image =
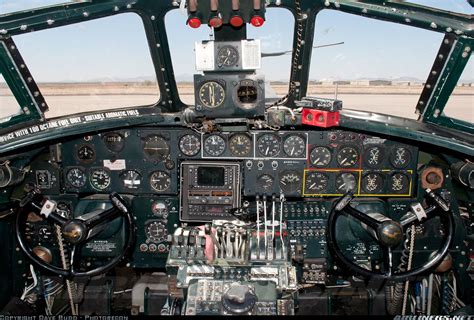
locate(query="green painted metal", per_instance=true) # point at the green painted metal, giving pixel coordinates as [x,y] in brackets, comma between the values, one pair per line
[29,110]
[449,76]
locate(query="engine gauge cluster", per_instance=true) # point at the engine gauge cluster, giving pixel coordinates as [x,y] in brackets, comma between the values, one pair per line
[357,182]
[255,145]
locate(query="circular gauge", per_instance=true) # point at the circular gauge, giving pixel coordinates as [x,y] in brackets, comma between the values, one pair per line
[155,231]
[316,182]
[100,179]
[400,157]
[265,182]
[247,94]
[373,156]
[347,157]
[212,94]
[227,56]
[159,209]
[320,157]
[346,182]
[214,145]
[399,183]
[290,182]
[85,153]
[76,177]
[160,181]
[268,145]
[115,142]
[240,145]
[372,183]
[190,145]
[156,147]
[294,146]
[131,179]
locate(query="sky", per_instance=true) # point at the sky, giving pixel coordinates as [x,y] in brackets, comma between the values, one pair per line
[115,48]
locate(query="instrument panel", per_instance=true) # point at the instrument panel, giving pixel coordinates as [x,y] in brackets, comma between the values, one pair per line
[296,163]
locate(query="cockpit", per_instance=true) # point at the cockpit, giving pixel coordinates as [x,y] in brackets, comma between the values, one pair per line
[243,186]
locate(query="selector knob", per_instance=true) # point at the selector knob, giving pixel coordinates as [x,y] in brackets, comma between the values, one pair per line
[239,298]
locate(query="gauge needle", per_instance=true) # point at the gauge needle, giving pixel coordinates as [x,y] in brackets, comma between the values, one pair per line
[317,160]
[312,186]
[344,161]
[292,151]
[268,150]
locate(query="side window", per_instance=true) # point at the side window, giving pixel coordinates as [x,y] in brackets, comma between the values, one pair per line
[9,106]
[95,65]
[380,67]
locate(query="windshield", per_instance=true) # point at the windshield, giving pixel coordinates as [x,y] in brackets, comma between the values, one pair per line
[119,61]
[356,63]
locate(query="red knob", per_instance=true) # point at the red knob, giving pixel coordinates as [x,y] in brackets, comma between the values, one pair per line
[257,21]
[215,22]
[236,21]
[194,22]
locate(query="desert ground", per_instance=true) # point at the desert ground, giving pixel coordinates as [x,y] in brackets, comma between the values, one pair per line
[399,100]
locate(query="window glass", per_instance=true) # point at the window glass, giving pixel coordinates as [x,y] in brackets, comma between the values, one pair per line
[95,65]
[8,105]
[9,6]
[461,102]
[276,35]
[380,66]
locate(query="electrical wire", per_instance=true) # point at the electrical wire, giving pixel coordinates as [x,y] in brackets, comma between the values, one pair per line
[30,288]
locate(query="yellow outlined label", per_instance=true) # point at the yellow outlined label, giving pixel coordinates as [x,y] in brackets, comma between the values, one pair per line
[359,192]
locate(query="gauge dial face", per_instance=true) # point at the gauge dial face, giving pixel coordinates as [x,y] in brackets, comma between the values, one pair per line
[214,145]
[290,182]
[212,94]
[190,145]
[316,182]
[227,56]
[346,182]
[400,157]
[131,179]
[156,147]
[265,182]
[268,145]
[76,177]
[373,156]
[399,183]
[294,146]
[160,181]
[100,179]
[85,153]
[159,209]
[240,145]
[372,183]
[247,94]
[115,142]
[155,232]
[320,157]
[347,157]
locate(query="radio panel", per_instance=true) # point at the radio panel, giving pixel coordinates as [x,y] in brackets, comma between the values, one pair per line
[209,190]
